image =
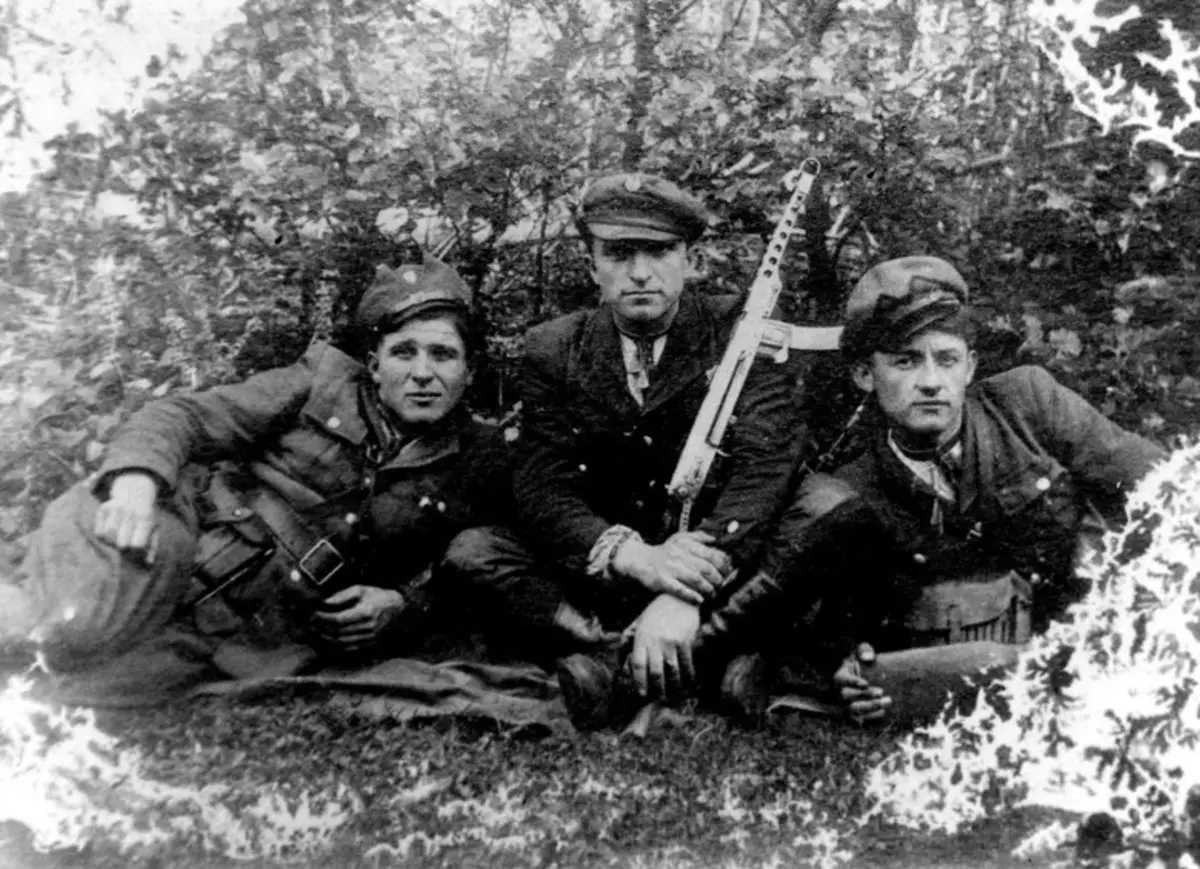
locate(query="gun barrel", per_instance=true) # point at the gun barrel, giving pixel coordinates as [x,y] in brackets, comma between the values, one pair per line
[707,431]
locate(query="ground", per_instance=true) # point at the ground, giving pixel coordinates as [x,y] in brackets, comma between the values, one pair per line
[695,792]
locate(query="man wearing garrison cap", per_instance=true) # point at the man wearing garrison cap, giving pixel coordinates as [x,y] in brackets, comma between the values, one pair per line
[609,395]
[938,551]
[262,527]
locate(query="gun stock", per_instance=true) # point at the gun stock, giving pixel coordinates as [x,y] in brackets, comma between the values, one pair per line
[704,439]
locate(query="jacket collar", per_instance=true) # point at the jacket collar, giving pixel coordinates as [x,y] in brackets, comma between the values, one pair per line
[685,357]
[899,478]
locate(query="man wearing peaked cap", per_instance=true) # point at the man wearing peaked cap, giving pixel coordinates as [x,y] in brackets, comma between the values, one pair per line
[264,527]
[954,537]
[410,290]
[639,206]
[609,395]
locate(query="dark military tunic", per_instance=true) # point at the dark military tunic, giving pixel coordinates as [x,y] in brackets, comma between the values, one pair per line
[295,436]
[594,458]
[1038,464]
[591,457]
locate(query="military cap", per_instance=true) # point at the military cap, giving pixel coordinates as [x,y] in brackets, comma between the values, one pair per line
[897,299]
[411,289]
[637,205]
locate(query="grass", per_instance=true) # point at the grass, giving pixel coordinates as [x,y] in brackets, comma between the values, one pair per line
[695,792]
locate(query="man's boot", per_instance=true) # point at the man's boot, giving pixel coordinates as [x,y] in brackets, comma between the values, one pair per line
[598,691]
[744,690]
[726,656]
[761,612]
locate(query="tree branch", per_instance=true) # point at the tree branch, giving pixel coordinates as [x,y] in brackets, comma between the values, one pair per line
[796,33]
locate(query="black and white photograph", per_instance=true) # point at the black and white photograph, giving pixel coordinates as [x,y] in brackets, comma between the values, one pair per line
[599,434]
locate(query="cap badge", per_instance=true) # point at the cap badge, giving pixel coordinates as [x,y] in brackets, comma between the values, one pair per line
[633,183]
[410,277]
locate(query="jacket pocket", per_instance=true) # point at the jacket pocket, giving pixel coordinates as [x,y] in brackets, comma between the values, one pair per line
[1039,493]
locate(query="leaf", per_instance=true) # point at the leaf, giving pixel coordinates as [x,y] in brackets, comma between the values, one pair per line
[392,221]
[1065,342]
[821,69]
[33,397]
[1033,330]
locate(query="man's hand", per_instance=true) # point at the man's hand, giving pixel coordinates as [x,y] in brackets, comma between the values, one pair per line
[684,565]
[864,701]
[663,636]
[126,519]
[356,617]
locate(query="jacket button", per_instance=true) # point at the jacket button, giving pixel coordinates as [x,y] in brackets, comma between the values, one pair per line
[1043,483]
[333,422]
[351,518]
[919,558]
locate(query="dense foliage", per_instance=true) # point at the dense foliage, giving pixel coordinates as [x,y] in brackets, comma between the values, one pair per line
[241,212]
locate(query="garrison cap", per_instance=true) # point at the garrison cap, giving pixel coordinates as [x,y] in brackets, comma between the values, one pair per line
[637,205]
[900,298]
[411,289]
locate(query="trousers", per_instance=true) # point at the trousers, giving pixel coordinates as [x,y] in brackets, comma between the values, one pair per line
[514,596]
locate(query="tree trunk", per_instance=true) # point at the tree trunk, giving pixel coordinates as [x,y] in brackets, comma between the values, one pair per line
[641,92]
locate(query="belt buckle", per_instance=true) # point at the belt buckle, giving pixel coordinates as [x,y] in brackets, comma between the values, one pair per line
[320,549]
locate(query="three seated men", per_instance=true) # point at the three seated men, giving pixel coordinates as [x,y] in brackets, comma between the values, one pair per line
[959,524]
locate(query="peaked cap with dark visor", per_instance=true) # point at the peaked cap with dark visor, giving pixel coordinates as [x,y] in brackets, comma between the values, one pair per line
[635,205]
[901,298]
[398,295]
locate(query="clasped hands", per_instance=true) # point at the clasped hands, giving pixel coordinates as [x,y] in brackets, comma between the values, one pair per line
[684,570]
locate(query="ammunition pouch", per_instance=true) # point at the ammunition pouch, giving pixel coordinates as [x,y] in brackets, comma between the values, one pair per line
[255,550]
[995,609]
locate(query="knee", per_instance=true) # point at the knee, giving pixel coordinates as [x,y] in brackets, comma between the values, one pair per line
[471,552]
[484,554]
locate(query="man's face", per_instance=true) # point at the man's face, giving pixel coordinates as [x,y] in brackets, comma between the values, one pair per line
[921,386]
[421,369]
[641,279]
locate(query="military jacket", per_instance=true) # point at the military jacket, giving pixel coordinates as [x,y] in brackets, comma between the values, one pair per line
[298,432]
[1038,465]
[592,457]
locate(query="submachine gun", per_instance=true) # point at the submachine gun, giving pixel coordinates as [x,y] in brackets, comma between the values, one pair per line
[755,334]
